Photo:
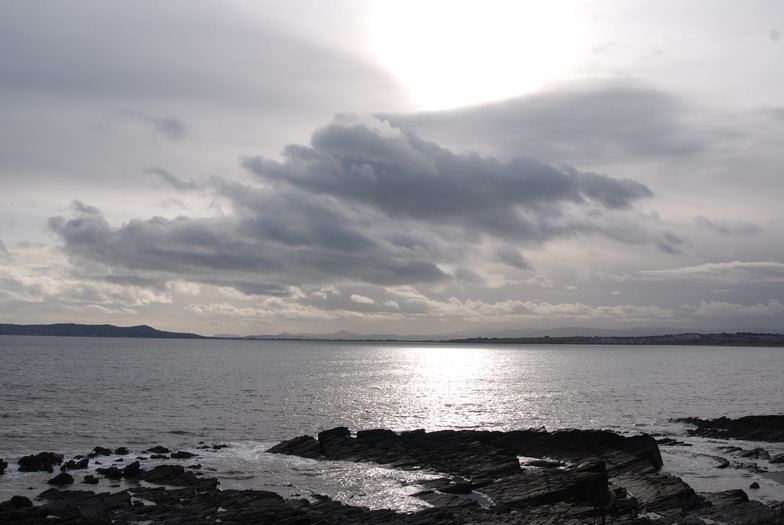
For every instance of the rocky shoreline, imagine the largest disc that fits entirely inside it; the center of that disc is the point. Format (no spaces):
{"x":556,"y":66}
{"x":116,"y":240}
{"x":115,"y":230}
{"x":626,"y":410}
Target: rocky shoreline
{"x":526,"y":476}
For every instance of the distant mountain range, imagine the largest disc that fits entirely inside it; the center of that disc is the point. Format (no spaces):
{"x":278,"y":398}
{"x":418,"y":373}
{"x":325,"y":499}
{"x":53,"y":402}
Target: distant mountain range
{"x":653,"y":336}
{"x":92,"y":330}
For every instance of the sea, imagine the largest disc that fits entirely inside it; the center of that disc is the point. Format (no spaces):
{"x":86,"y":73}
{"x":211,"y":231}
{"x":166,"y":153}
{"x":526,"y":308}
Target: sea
{"x":70,"y":394}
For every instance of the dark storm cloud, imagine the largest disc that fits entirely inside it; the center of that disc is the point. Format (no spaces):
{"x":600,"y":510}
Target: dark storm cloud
{"x":366,"y":203}
{"x":599,"y":121}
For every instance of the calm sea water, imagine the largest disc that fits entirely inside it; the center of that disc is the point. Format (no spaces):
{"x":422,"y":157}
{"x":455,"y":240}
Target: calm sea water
{"x":68,"y":395}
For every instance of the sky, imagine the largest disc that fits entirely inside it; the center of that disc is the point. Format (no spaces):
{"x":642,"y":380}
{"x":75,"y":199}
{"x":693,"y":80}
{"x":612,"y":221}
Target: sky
{"x":411,"y":167}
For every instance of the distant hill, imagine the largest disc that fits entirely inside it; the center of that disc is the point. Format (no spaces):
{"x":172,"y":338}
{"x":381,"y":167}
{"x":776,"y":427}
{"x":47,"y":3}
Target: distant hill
{"x":92,"y":330}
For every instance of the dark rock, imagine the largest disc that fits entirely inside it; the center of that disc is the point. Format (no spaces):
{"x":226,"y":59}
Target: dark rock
{"x":122,"y":451}
{"x":3,"y":466}
{"x":337,"y":443}
{"x":756,"y":453}
{"x":750,"y":428}
{"x":84,"y":507}
{"x":110,"y":472}
{"x":723,"y":462}
{"x":90,"y":480}
{"x":619,"y":452}
{"x":63,"y":478}
{"x":158,"y":450}
{"x":337,"y":432}
{"x":176,"y":475}
{"x":658,"y":492}
{"x":183,"y":455}
{"x":595,"y":469}
{"x":302,"y":446}
{"x":16,"y":502}
{"x":779,"y":458}
{"x":734,"y":506}
{"x":547,"y":487}
{"x":42,"y":462}
{"x":159,"y":456}
{"x":99,"y":451}
{"x":600,"y":477}
{"x":21,"y":501}
{"x":132,"y":469}
{"x":380,"y":438}
{"x":76,"y":465}
{"x":671,"y":442}
{"x":754,"y":485}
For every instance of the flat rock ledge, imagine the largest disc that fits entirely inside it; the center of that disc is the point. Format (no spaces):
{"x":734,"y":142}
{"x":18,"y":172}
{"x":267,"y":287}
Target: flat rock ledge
{"x":516,"y":477}
{"x":752,"y":428}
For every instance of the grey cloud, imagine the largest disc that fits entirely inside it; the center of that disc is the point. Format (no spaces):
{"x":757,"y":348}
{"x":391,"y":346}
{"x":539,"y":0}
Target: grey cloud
{"x":513,"y":258}
{"x":601,"y":121}
{"x":168,"y":127}
{"x":468,"y":276}
{"x":240,"y":251}
{"x":731,"y":272}
{"x":4,"y":253}
{"x":385,"y":209}
{"x":147,"y":50}
{"x":173,"y":180}
{"x":727,"y":228}
{"x":405,"y":177}
{"x":610,"y":192}
{"x":370,"y":300}
{"x":774,"y":113}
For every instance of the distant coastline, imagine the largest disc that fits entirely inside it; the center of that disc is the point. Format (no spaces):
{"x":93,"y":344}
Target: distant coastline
{"x":690,"y":339}
{"x":144,"y":331}
{"x":90,"y":330}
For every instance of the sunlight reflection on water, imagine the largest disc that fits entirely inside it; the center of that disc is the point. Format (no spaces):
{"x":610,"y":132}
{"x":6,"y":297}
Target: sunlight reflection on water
{"x":71,"y":394}
{"x":448,"y":387}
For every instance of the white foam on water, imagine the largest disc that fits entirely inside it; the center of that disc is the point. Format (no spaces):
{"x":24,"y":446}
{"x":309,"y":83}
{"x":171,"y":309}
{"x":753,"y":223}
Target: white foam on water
{"x":248,"y":465}
{"x":699,"y":466}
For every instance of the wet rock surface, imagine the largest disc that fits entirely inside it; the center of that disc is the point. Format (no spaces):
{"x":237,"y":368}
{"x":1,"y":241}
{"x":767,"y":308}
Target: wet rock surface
{"x":42,"y":462}
{"x":751,"y":428}
{"x":579,"y":475}
{"x":564,"y":477}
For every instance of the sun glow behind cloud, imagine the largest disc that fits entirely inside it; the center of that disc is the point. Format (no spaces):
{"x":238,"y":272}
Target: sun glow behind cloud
{"x":455,"y":53}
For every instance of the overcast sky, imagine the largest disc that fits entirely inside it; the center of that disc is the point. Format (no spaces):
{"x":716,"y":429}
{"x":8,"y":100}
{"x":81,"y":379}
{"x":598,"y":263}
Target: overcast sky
{"x":411,"y":167}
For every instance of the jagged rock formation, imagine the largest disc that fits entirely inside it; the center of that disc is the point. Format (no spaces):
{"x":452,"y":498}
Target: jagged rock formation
{"x":596,"y":469}
{"x":519,"y":477}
